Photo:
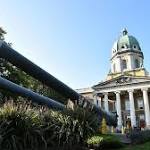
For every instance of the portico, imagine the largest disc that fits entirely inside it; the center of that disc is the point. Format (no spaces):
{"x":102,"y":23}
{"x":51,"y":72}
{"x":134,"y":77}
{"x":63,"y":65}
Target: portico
{"x":124,"y":99}
{"x":126,"y":89}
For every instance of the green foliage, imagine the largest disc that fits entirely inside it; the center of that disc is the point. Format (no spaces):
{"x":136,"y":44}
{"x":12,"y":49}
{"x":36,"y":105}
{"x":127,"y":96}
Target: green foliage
{"x":2,"y":33}
{"x":110,"y":142}
{"x":111,"y":119}
{"x":144,"y":146}
{"x":103,"y":126}
{"x":20,"y":127}
{"x":94,"y":140}
{"x":138,"y":137}
{"x":87,"y":118}
{"x":26,"y":126}
{"x":19,"y":77}
{"x":104,"y":142}
{"x":69,"y":127}
{"x":16,"y":75}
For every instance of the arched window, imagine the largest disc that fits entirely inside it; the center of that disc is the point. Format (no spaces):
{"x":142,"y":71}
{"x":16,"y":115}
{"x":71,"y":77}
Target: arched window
{"x":124,"y":64}
{"x":122,"y":46}
{"x":134,"y":46}
{"x":137,"y":64}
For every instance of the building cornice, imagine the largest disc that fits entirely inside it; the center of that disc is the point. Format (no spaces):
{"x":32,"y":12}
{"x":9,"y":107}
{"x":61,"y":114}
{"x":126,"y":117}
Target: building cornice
{"x":124,"y":87}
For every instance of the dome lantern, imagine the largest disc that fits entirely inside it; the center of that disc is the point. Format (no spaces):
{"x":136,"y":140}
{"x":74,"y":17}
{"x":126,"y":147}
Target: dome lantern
{"x":124,"y":32}
{"x":126,"y":53}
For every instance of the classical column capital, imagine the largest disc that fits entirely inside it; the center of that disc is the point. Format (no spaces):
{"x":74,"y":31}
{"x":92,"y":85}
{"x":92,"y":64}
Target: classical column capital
{"x":105,"y":93}
{"x":117,"y":92}
{"x":94,"y":95}
{"x":144,"y":89}
{"x":99,"y":98}
{"x":130,"y":90}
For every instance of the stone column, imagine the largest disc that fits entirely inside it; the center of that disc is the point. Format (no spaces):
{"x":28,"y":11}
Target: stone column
{"x":95,"y":99}
{"x":132,"y":108}
{"x":146,"y":106}
{"x":130,"y":64}
{"x":118,"y":64}
{"x":100,"y":102}
{"x":118,"y":108}
{"x":106,"y":102}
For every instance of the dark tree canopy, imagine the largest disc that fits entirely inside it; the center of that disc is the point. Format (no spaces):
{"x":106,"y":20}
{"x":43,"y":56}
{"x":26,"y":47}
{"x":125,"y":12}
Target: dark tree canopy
{"x":2,"y":33}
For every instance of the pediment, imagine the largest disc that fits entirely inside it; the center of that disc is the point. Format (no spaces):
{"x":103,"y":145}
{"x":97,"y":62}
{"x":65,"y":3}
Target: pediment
{"x":121,"y":80}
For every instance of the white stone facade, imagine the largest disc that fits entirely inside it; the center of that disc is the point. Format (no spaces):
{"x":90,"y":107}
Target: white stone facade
{"x":127,"y":88}
{"x":130,"y":93}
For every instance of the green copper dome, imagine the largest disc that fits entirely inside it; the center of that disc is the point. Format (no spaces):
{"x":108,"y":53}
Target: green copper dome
{"x":126,"y":42}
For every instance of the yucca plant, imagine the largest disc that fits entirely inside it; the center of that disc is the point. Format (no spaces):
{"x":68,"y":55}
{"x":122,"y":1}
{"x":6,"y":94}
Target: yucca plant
{"x":61,"y":130}
{"x":27,"y":126}
{"x":20,"y":127}
{"x":69,"y":127}
{"x":88,"y":120}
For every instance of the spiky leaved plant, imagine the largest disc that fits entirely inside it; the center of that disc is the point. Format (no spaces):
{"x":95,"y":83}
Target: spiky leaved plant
{"x":69,"y":127}
{"x":20,"y":127}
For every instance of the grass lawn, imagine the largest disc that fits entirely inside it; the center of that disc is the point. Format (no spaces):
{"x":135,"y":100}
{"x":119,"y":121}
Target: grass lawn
{"x":145,"y":146}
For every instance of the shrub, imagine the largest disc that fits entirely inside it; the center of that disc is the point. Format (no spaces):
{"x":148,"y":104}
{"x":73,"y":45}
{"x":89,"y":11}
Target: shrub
{"x":104,"y":142}
{"x":27,"y":126}
{"x":138,"y":137}
{"x":20,"y":127}
{"x":111,"y":118}
{"x":103,"y":126}
{"x":70,"y":127}
{"x":87,"y":118}
{"x":110,"y":142}
{"x":94,"y":140}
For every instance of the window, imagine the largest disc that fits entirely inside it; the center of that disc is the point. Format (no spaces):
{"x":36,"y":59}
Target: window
{"x":114,"y":67}
{"x":141,"y":117}
{"x":134,"y":46}
{"x":124,"y":64}
{"x":122,"y":47}
{"x":140,"y":104}
{"x":128,"y":117}
{"x":137,"y":64}
{"x":127,"y":105}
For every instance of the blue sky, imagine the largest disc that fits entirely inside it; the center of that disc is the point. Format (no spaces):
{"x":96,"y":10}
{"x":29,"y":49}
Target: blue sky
{"x":72,"y":39}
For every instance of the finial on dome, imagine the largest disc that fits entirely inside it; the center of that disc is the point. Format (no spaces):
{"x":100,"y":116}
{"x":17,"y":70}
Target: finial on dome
{"x":124,"y":31}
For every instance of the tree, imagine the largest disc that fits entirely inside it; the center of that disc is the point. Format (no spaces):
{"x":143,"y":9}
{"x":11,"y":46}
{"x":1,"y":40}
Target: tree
{"x":16,"y":75}
{"x":2,"y":33}
{"x":104,"y":126}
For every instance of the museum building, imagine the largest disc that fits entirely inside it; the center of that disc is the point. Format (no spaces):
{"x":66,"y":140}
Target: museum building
{"x":126,"y":90}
